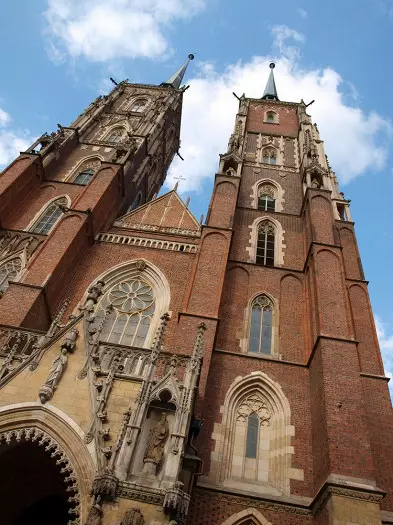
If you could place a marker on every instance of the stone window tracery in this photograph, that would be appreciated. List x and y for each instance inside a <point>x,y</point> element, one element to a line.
<point>49,217</point>
<point>9,271</point>
<point>267,197</point>
<point>86,172</point>
<point>261,326</point>
<point>115,136</point>
<point>265,243</point>
<point>139,105</point>
<point>133,303</point>
<point>269,156</point>
<point>253,438</point>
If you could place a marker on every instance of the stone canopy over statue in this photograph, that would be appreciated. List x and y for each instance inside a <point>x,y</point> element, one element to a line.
<point>155,445</point>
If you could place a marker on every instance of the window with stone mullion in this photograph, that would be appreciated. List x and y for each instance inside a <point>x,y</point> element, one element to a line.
<point>46,222</point>
<point>265,249</point>
<point>266,203</point>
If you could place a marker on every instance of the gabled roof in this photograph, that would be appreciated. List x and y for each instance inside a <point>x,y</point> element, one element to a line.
<point>166,213</point>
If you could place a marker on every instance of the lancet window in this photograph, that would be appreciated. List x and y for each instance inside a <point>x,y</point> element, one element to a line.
<point>49,217</point>
<point>86,172</point>
<point>267,197</point>
<point>261,326</point>
<point>133,305</point>
<point>9,271</point>
<point>265,243</point>
<point>269,156</point>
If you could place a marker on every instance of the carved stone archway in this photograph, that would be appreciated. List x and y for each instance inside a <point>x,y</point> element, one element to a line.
<point>46,433</point>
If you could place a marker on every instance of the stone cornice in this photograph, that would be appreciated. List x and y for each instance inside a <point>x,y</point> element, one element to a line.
<point>294,505</point>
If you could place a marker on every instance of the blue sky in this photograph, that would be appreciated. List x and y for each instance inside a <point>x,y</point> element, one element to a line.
<point>57,56</point>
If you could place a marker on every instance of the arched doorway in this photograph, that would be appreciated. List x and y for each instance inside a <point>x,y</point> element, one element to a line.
<point>36,482</point>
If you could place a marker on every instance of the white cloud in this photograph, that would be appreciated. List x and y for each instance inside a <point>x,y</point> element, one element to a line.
<point>12,142</point>
<point>302,12</point>
<point>4,118</point>
<point>386,344</point>
<point>281,35</point>
<point>101,30</point>
<point>356,141</point>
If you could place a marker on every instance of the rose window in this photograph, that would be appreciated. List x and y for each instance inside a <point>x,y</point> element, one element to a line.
<point>133,307</point>
<point>131,297</point>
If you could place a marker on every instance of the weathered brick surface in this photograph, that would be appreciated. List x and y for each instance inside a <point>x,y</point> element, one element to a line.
<point>324,332</point>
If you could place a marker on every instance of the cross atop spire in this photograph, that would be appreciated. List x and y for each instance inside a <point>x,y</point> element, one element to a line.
<point>177,78</point>
<point>270,92</point>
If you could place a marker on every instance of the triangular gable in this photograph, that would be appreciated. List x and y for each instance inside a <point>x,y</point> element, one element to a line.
<point>168,211</point>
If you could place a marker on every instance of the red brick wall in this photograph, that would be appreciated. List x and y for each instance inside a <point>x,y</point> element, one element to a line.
<point>288,121</point>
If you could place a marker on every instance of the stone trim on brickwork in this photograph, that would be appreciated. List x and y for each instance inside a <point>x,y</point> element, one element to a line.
<point>147,243</point>
<point>279,245</point>
<point>275,450</point>
<point>41,212</point>
<point>279,193</point>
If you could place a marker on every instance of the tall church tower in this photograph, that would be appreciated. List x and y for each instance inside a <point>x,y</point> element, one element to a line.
<point>154,369</point>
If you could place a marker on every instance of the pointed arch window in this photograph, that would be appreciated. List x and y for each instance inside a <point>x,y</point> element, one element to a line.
<point>266,244</point>
<point>271,117</point>
<point>133,305</point>
<point>49,217</point>
<point>267,198</point>
<point>139,106</point>
<point>86,172</point>
<point>261,326</point>
<point>9,271</point>
<point>115,136</point>
<point>269,156</point>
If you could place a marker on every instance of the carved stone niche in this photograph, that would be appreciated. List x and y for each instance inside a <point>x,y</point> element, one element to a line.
<point>105,485</point>
<point>154,445</point>
<point>133,516</point>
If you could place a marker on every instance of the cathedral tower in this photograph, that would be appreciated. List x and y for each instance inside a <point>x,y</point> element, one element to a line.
<point>155,369</point>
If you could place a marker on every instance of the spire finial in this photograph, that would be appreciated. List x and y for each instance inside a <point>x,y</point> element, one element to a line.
<point>270,92</point>
<point>177,78</point>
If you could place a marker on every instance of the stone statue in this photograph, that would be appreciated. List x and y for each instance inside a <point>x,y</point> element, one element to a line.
<point>155,445</point>
<point>68,342</point>
<point>47,390</point>
<point>93,294</point>
<point>315,183</point>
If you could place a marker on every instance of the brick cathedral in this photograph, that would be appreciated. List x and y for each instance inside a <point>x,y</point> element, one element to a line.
<point>154,369</point>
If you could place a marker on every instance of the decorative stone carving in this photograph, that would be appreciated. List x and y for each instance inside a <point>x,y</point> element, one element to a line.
<point>53,449</point>
<point>105,485</point>
<point>155,445</point>
<point>95,513</point>
<point>55,373</point>
<point>93,294</point>
<point>254,403</point>
<point>133,516</point>
<point>68,342</point>
<point>176,499</point>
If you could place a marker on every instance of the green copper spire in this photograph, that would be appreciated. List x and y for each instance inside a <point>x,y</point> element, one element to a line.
<point>177,78</point>
<point>270,92</point>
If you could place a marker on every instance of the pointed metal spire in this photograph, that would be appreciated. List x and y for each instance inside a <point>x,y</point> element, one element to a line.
<point>176,79</point>
<point>270,92</point>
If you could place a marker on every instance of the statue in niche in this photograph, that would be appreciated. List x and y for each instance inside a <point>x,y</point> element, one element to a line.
<point>47,390</point>
<point>155,445</point>
<point>315,183</point>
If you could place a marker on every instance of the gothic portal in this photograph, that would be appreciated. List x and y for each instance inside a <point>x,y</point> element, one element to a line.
<point>155,369</point>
